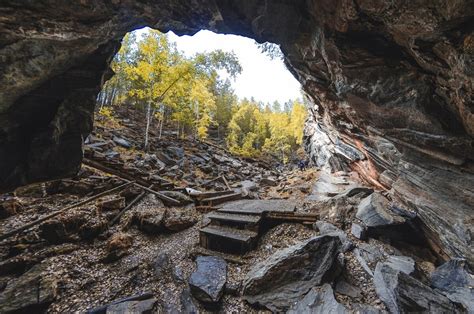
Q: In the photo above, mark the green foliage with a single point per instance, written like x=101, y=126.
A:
x=253, y=130
x=150, y=72
x=188, y=92
x=270, y=49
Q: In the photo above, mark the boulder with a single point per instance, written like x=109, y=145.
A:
x=177, y=152
x=69, y=226
x=165, y=158
x=327, y=228
x=9, y=207
x=121, y=142
x=111, y=204
x=454, y=280
x=369, y=254
x=287, y=275
x=268, y=181
x=31, y=292
x=127, y=307
x=248, y=187
x=374, y=211
x=187, y=302
x=402, y=293
x=359, y=231
x=117, y=246
x=207, y=283
x=161, y=264
x=319, y=300
x=404, y=264
x=150, y=220
x=177, y=220
x=345, y=288
x=145, y=307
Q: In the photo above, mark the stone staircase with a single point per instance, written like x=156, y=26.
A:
x=236, y=226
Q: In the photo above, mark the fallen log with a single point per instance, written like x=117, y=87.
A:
x=226, y=183
x=101, y=167
x=130, y=205
x=40, y=220
x=160, y=195
x=127, y=178
x=208, y=181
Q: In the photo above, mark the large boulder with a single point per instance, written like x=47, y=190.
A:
x=287, y=275
x=178, y=219
x=374, y=211
x=454, y=279
x=402, y=293
x=150, y=220
x=32, y=292
x=207, y=283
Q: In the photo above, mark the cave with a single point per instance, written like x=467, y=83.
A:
x=392, y=84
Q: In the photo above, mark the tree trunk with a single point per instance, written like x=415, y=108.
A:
x=161, y=124
x=148, y=120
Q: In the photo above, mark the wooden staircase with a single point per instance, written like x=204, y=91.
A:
x=236, y=226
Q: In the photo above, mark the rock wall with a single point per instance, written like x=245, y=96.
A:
x=392, y=83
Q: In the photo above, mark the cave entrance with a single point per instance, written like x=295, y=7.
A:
x=224, y=87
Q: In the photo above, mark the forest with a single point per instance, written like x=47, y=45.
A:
x=193, y=95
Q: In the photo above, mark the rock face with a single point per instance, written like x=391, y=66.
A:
x=392, y=83
x=455, y=281
x=33, y=291
x=289, y=274
x=404, y=294
x=373, y=211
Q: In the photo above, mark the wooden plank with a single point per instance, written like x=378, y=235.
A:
x=38, y=221
x=221, y=199
x=228, y=257
x=127, y=178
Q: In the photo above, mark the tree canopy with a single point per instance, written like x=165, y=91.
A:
x=188, y=95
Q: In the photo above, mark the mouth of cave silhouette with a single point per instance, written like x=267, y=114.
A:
x=391, y=85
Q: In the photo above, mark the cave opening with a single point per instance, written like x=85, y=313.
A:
x=391, y=135
x=200, y=86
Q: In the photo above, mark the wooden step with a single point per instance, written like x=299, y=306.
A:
x=227, y=240
x=249, y=222
x=257, y=207
x=205, y=195
x=212, y=201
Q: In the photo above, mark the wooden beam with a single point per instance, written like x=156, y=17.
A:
x=40, y=220
x=127, y=178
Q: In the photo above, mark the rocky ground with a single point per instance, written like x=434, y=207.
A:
x=362, y=255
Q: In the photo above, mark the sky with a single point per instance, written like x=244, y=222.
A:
x=262, y=78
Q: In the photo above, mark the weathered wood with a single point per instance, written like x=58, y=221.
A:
x=208, y=181
x=221, y=199
x=204, y=195
x=226, y=183
x=140, y=182
x=230, y=258
x=130, y=205
x=205, y=209
x=40, y=220
x=123, y=175
x=292, y=217
x=159, y=195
